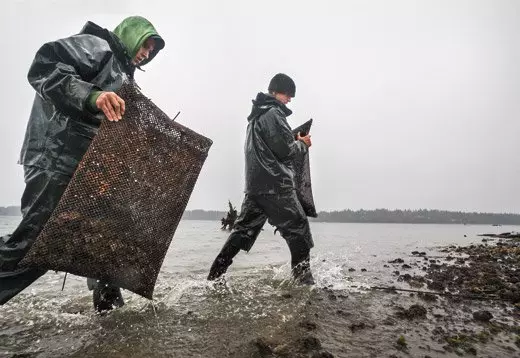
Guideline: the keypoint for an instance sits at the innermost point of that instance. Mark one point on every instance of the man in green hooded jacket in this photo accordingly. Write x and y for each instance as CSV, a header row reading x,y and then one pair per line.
x,y
75,79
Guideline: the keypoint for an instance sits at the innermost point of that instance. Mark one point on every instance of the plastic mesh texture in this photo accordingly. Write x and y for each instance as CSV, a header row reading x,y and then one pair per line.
x,y
121,208
303,175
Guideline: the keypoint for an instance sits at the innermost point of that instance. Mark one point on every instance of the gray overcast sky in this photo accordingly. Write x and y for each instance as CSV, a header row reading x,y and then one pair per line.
x,y
416,103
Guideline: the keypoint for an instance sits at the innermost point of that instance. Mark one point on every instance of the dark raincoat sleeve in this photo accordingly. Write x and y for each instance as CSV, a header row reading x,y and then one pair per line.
x,y
277,134
61,70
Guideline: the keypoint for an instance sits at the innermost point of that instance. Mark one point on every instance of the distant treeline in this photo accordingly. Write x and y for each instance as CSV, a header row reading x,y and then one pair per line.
x,y
203,215
367,216
390,216
418,217
10,211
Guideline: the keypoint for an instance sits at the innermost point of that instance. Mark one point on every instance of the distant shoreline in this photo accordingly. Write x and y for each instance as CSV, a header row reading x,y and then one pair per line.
x,y
378,216
384,216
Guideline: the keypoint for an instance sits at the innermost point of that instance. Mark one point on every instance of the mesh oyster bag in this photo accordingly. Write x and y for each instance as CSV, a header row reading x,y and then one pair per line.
x,y
122,207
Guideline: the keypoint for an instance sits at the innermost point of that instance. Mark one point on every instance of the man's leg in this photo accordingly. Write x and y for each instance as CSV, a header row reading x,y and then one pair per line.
x,y
105,296
285,212
41,195
246,230
300,264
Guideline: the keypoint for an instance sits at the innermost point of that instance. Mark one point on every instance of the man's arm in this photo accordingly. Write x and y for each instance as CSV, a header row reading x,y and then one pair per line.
x,y
280,139
60,73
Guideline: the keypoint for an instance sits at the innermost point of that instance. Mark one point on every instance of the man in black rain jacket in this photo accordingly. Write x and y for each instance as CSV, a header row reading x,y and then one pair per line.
x,y
270,190
75,79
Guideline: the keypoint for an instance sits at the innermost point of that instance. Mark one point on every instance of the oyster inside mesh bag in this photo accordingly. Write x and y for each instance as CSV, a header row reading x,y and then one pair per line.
x,y
303,175
121,208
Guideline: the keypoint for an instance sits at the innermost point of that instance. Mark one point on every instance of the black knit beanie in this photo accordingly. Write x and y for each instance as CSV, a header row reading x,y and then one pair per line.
x,y
281,83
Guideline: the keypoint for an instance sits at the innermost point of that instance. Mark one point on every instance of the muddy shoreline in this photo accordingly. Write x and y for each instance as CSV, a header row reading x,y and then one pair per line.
x,y
464,303
439,302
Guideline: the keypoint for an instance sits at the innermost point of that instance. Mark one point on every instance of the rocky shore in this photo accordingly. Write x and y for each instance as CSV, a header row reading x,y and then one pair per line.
x,y
465,302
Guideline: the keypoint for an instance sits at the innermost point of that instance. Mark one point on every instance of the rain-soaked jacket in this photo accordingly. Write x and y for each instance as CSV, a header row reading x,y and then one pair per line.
x,y
269,148
64,74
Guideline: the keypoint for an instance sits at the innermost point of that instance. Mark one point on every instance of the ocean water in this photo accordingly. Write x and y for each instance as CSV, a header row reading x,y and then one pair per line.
x,y
190,317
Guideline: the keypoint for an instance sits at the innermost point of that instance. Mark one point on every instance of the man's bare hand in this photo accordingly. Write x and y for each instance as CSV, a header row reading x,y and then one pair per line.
x,y
306,139
112,105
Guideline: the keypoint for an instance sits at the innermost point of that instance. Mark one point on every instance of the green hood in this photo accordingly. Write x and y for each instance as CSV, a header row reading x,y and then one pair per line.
x,y
134,31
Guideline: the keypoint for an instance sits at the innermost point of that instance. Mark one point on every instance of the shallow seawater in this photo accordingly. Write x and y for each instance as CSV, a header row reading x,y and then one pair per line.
x,y
257,312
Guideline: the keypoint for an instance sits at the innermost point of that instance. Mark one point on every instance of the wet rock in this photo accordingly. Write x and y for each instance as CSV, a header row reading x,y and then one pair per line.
x,y
396,261
308,325
389,322
416,283
342,313
417,311
482,316
357,326
406,277
428,297
436,285
414,312
263,346
311,343
512,295
471,350
406,267
439,331
438,313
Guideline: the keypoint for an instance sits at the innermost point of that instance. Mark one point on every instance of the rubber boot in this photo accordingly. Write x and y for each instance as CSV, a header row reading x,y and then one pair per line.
x,y
223,260
301,272
106,297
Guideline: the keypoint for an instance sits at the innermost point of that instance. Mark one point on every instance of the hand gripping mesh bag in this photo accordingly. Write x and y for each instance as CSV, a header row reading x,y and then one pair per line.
x,y
120,211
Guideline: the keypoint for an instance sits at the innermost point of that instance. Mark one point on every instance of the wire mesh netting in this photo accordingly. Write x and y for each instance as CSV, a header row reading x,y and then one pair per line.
x,y
303,175
120,211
